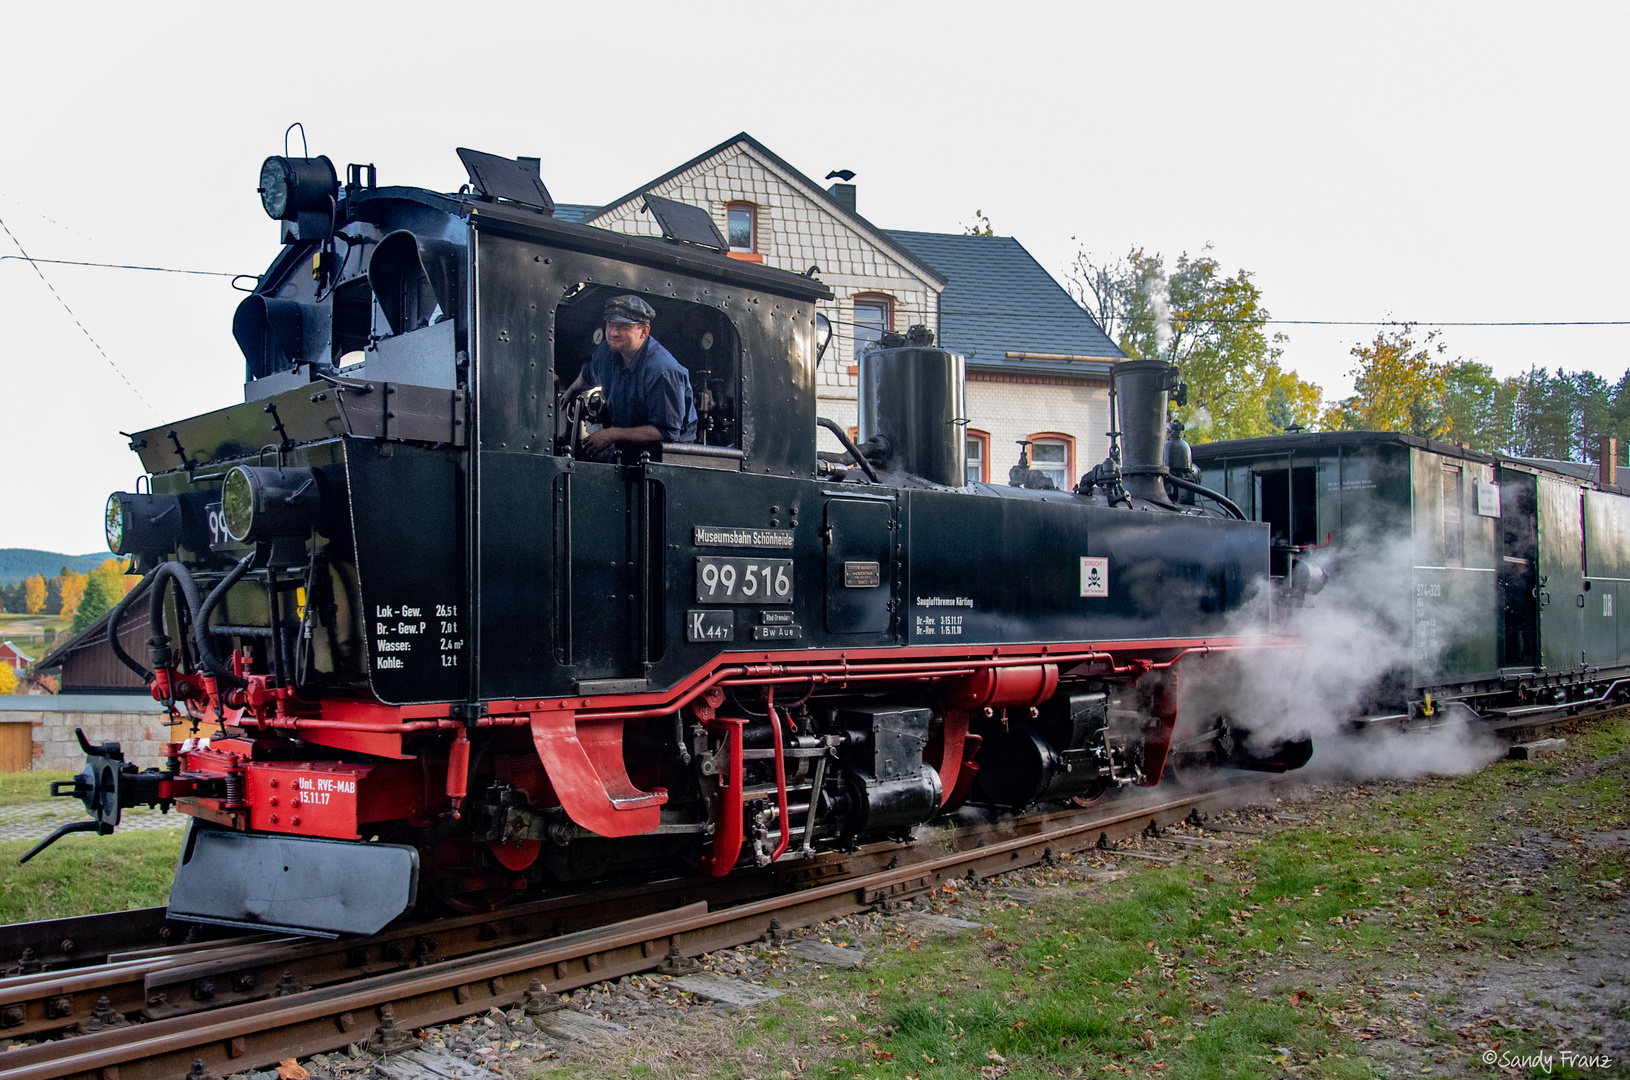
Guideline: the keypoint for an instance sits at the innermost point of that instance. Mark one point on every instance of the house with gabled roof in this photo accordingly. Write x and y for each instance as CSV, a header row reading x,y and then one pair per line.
x,y
1038,365
13,657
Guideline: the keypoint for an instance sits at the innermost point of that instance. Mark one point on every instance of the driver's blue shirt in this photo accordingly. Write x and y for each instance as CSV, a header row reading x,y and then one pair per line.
x,y
655,389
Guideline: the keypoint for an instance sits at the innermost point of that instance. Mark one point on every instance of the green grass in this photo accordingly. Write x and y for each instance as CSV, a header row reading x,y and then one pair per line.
x,y
80,874
85,875
27,631
21,788
1295,952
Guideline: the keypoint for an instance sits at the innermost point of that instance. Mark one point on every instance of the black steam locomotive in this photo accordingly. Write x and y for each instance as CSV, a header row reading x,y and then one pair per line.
x,y
426,652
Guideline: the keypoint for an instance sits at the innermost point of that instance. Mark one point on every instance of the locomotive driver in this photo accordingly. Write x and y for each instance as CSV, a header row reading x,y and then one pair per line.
x,y
647,390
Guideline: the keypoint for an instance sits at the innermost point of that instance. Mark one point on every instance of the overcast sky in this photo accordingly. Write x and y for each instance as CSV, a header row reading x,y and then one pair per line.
x,y
1456,162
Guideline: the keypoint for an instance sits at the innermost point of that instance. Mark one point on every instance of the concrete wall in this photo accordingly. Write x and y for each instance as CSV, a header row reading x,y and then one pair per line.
x,y
138,727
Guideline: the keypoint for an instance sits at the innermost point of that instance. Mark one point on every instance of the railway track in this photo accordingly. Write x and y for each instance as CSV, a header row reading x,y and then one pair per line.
x,y
113,1005
238,1004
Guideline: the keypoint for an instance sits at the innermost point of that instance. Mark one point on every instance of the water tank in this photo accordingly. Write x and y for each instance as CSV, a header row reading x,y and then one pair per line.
x,y
913,397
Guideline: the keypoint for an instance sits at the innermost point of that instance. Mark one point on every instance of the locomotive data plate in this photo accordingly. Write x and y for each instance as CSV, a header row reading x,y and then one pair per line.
x,y
777,633
719,536
722,580
862,575
710,626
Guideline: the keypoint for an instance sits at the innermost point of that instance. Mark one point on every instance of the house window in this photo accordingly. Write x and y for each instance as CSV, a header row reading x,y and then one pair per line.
x,y
742,226
874,313
977,449
1453,536
1051,455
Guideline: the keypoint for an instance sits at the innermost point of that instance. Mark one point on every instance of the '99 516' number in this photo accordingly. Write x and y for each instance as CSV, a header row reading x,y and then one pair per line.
x,y
743,581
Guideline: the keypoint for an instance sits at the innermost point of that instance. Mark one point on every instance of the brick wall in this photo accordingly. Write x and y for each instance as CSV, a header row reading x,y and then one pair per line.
x,y
1011,410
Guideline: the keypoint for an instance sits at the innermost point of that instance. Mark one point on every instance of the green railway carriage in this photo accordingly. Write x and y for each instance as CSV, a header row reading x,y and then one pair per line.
x,y
1509,575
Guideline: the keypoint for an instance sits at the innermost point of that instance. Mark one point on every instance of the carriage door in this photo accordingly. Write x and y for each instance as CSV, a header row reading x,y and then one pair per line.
x,y
1519,571
1604,570
1561,575
1287,499
859,538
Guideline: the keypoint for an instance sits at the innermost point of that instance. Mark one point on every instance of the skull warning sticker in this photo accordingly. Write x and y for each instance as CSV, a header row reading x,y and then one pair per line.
x,y
1094,576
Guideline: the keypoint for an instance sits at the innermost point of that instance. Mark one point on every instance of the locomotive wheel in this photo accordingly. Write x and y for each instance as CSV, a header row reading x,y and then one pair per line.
x,y
515,855
449,868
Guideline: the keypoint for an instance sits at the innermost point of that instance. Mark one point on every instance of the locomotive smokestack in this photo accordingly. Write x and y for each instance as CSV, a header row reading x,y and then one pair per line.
x,y
1140,388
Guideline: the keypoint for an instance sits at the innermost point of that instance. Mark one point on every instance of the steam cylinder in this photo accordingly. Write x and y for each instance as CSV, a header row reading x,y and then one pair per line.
x,y
1140,391
913,397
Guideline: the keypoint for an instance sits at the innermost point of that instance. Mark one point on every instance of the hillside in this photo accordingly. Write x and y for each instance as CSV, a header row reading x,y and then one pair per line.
x,y
19,563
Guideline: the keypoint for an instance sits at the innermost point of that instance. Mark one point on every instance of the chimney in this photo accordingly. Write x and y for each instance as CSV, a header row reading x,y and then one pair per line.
x,y
844,196
1608,459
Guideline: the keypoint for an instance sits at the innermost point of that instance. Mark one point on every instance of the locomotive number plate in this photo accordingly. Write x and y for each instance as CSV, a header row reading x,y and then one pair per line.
x,y
723,580
219,538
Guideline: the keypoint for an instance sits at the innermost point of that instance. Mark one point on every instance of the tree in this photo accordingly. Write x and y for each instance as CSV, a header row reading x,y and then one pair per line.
x,y
104,587
1212,325
1397,386
980,226
1546,416
1290,400
8,679
34,594
1477,407
69,587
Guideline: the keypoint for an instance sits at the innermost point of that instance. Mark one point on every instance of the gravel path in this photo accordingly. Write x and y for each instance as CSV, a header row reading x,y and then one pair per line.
x,y
35,821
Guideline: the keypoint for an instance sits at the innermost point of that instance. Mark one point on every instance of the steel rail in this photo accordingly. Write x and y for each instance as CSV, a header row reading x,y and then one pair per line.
x,y
252,1034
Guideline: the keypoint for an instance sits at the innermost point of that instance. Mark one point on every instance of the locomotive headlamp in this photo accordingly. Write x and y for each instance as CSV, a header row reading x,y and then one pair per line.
x,y
823,335
290,187
114,524
258,503
142,524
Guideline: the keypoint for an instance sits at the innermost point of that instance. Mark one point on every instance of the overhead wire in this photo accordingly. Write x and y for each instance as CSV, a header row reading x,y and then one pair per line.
x,y
83,329
120,266
1064,316
1029,316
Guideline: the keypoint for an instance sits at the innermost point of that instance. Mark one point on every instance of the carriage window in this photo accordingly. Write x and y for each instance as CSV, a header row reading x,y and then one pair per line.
x,y
1453,533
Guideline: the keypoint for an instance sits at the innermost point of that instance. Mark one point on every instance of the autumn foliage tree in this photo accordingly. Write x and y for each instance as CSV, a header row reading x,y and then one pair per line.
x,y
1402,382
1209,323
34,594
65,591
1398,385
104,587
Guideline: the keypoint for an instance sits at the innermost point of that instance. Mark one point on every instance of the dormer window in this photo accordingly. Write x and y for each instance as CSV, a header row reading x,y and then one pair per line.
x,y
742,227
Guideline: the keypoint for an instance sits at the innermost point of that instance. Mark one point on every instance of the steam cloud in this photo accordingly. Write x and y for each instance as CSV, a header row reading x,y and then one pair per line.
x,y
1158,289
1362,627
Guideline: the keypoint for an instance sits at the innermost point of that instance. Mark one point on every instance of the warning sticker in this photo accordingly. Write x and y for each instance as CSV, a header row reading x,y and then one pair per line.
x,y
1094,576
